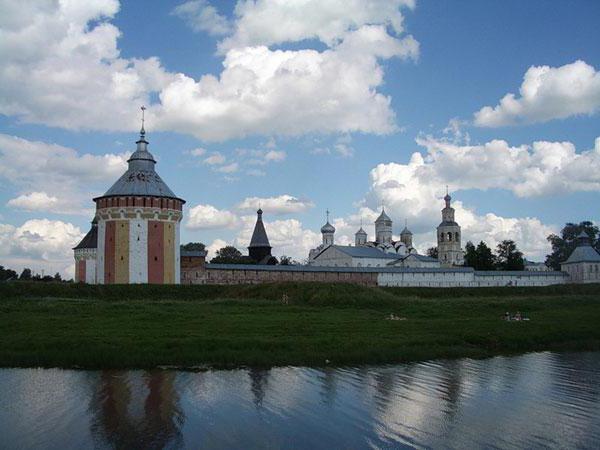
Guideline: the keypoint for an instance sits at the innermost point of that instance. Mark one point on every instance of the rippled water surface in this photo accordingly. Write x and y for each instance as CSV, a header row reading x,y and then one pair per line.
x,y
535,400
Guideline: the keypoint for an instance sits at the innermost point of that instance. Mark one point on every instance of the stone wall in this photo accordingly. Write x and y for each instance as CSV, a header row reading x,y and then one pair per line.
x,y
392,277
247,274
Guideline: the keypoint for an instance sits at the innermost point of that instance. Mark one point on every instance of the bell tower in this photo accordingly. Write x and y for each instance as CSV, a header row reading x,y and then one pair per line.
x,y
449,237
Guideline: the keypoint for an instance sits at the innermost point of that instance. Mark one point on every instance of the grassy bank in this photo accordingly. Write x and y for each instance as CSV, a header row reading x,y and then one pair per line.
x,y
144,326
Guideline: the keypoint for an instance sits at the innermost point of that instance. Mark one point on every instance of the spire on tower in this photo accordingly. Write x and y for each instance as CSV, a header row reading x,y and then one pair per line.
x,y
143,131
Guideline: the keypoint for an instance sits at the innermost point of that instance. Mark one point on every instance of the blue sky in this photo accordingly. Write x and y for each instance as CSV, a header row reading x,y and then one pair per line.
x,y
312,105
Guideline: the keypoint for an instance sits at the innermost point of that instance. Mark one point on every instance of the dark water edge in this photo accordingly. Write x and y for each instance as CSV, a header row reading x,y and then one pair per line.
x,y
529,401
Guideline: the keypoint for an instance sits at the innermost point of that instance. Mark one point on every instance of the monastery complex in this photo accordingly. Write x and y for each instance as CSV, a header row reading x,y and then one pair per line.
x,y
134,238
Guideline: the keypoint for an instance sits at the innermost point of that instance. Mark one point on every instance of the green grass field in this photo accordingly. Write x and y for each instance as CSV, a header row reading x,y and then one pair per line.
x,y
62,325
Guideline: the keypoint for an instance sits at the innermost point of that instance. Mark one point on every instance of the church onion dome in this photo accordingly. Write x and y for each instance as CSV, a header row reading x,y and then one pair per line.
x,y
361,232
327,228
447,197
383,217
406,231
259,235
90,240
141,179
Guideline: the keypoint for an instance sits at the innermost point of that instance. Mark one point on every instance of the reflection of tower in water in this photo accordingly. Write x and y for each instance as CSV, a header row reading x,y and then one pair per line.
x,y
136,410
259,379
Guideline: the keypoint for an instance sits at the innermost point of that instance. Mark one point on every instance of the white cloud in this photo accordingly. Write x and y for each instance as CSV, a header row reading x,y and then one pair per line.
x,y
40,244
544,168
341,147
42,202
198,151
547,93
217,244
56,54
204,217
229,168
275,156
413,191
287,237
268,22
61,174
215,158
282,204
200,15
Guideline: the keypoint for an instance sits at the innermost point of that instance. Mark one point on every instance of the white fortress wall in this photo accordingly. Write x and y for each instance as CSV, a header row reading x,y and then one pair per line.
x,y
468,278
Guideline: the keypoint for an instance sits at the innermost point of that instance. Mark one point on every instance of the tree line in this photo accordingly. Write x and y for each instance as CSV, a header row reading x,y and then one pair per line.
x,y
231,255
28,275
507,256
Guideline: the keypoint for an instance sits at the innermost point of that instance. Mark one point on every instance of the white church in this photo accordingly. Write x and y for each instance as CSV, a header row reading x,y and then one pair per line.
x,y
384,251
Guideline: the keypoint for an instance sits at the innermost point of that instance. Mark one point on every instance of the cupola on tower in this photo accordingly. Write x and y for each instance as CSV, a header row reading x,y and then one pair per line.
x,y
383,228
328,232
448,237
138,225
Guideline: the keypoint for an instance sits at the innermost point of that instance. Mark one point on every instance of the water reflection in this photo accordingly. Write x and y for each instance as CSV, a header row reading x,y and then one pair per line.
x,y
136,410
535,400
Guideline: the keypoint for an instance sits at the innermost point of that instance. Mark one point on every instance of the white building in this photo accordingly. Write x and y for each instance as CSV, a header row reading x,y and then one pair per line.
x,y
448,237
583,266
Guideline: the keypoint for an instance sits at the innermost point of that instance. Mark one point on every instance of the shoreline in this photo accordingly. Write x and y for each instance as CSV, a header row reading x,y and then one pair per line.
x,y
321,325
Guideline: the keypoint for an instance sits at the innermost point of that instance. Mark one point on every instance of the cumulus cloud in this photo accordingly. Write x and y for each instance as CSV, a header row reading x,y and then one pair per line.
x,y
287,237
547,93
55,178
211,249
56,54
42,202
268,22
200,15
542,168
282,204
205,217
39,244
414,191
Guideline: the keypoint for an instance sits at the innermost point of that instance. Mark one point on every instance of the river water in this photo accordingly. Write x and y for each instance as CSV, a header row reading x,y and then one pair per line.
x,y
530,401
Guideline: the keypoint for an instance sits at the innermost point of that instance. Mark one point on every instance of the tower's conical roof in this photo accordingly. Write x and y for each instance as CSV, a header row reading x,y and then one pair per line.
x,y
90,240
259,235
141,179
383,216
361,232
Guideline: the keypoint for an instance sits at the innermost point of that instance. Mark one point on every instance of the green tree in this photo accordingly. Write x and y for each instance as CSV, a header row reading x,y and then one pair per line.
x,y
432,252
470,255
508,256
485,257
230,255
194,246
563,245
286,261
480,257
7,274
25,275
57,277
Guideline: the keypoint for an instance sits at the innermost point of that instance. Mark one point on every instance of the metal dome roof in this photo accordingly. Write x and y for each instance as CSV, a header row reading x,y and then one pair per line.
x,y
361,231
327,228
141,179
383,216
406,231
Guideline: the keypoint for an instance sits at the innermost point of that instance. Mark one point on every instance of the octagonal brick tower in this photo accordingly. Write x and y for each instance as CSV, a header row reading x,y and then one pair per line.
x,y
138,226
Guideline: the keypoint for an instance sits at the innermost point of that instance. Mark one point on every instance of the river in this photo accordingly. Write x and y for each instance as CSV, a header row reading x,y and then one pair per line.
x,y
529,401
